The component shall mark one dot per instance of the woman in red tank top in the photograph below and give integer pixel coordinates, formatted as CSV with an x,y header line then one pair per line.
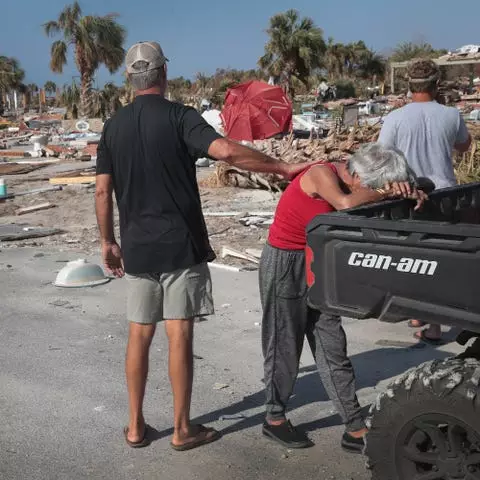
x,y
373,174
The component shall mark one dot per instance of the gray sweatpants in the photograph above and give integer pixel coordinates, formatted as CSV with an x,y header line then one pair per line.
x,y
286,321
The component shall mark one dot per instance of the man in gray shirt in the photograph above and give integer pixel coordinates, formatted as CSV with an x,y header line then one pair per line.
x,y
427,133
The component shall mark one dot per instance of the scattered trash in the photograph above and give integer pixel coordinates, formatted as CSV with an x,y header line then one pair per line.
x,y
100,408
226,305
109,337
3,188
253,221
257,324
197,357
220,386
80,273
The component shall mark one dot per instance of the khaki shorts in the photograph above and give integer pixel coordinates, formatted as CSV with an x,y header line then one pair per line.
x,y
182,294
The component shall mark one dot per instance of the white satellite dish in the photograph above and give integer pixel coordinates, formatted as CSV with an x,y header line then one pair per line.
x,y
82,126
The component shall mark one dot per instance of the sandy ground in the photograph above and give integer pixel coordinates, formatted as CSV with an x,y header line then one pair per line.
x,y
74,213
63,398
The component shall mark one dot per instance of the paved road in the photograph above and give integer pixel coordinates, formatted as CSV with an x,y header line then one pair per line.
x,y
62,394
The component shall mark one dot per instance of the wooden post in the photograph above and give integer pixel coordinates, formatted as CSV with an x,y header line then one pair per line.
x,y
392,79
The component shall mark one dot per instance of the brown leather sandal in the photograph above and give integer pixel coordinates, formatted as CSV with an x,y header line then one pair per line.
x,y
204,436
144,442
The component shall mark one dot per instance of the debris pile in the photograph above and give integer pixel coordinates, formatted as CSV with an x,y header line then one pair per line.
x,y
467,165
337,147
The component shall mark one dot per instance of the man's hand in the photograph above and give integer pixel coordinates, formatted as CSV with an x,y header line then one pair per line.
x,y
112,259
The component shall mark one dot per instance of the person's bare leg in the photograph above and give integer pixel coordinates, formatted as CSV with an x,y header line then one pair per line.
x,y
180,369
136,368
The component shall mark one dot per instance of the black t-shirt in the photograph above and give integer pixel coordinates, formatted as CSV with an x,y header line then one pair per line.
x,y
150,148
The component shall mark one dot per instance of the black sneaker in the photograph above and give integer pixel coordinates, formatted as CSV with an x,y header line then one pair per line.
x,y
351,444
287,435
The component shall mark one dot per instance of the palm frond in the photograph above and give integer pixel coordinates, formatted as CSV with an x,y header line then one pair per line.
x,y
51,28
58,56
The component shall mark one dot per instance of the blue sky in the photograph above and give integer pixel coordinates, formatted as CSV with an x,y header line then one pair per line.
x,y
203,35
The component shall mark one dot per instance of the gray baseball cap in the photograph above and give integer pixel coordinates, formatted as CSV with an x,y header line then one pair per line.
x,y
145,56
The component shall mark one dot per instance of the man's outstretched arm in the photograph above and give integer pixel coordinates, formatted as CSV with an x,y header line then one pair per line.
x,y
252,160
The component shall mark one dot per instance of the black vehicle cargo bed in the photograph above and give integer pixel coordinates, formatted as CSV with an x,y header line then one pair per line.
x,y
388,262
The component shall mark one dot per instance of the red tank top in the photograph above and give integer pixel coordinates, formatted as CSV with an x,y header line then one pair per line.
x,y
295,211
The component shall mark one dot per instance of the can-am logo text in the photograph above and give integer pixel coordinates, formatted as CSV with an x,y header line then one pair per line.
x,y
386,262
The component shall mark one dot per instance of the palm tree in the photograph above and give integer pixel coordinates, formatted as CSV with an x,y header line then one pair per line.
x,y
50,87
406,51
70,98
335,59
30,94
127,93
95,40
11,74
110,98
295,48
372,66
202,81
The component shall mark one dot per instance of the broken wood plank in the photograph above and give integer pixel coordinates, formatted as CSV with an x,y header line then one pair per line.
x,y
254,252
35,208
222,266
230,252
72,180
236,214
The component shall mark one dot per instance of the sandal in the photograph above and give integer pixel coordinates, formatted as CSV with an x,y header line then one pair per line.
x,y
423,338
203,437
412,323
144,442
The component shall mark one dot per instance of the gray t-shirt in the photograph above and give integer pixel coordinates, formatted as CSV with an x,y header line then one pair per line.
x,y
426,132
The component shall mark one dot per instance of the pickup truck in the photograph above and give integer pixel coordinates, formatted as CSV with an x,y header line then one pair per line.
x,y
388,261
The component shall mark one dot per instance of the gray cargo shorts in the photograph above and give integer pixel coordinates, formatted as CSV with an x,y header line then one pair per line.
x,y
182,294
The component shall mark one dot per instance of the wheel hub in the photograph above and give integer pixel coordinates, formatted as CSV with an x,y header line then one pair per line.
x,y
439,447
453,467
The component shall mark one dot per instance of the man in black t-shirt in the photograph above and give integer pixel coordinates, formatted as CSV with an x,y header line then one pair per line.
x,y
147,156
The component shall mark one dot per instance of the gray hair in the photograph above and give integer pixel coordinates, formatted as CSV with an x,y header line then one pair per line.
x,y
146,80
377,165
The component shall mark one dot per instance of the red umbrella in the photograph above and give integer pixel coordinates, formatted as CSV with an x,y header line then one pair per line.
x,y
255,111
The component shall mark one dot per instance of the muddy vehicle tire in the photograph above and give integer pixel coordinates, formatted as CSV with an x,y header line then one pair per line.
x,y
427,424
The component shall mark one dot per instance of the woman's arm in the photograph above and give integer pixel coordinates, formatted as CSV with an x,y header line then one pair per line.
x,y
322,181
